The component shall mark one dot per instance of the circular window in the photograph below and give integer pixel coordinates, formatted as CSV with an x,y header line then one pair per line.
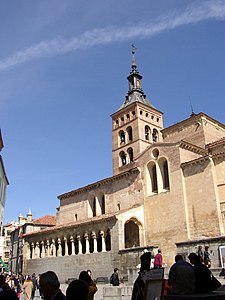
x,y
155,153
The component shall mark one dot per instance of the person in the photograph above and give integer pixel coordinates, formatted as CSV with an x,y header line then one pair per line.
x,y
92,288
200,253
139,284
8,294
181,277
34,281
206,258
50,286
158,260
202,274
77,290
114,279
3,284
27,288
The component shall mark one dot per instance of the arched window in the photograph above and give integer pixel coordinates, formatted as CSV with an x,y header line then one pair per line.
x,y
103,205
94,207
153,177
130,153
131,234
129,133
122,137
155,136
123,158
147,133
163,164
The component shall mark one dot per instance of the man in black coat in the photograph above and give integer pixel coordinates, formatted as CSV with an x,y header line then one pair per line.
x,y
49,286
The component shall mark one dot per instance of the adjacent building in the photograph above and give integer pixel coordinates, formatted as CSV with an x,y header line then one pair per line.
x,y
167,191
15,245
3,186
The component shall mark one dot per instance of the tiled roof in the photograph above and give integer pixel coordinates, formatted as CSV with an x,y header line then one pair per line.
x,y
45,220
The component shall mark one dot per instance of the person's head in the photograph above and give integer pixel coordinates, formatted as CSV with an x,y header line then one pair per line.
x,y
116,270
159,251
199,247
85,276
194,258
49,284
89,273
77,289
178,257
206,248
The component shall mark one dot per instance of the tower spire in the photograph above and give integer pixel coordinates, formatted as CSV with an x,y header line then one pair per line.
x,y
134,65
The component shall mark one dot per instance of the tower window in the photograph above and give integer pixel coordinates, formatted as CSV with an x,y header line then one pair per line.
x,y
123,158
131,155
130,134
147,133
155,136
128,116
122,136
146,115
141,112
133,113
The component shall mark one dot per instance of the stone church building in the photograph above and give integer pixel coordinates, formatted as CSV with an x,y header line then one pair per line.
x,y
167,191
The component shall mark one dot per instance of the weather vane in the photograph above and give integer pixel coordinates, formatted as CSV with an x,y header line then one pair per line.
x,y
133,48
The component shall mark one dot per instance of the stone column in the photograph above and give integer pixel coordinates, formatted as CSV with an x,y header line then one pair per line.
x,y
87,243
27,250
42,249
37,250
53,248
79,244
66,246
72,245
94,242
103,241
59,252
32,250
47,248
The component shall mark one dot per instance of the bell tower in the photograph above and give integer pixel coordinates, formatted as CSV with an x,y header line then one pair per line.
x,y
135,125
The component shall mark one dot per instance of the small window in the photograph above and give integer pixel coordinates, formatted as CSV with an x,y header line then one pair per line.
x,y
155,136
122,136
141,112
130,153
123,158
130,134
147,133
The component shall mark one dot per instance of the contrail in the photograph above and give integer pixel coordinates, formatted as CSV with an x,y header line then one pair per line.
x,y
205,10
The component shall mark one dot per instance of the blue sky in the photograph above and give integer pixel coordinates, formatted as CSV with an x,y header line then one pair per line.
x,y
63,69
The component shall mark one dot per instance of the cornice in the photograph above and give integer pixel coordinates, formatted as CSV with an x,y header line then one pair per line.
x,y
193,148
195,161
98,183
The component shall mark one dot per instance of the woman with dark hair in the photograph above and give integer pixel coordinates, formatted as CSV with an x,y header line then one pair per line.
x,y
77,290
92,286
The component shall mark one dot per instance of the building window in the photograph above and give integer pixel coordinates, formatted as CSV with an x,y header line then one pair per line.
x,y
130,133
103,204
130,153
153,177
131,234
94,207
155,136
163,164
123,158
122,137
147,133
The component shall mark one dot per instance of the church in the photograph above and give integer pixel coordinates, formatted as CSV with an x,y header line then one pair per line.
x,y
167,192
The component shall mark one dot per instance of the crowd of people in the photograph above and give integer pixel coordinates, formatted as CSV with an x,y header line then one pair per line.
x,y
48,284
183,278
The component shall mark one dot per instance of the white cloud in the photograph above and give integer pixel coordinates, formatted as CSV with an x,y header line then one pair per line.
x,y
192,14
